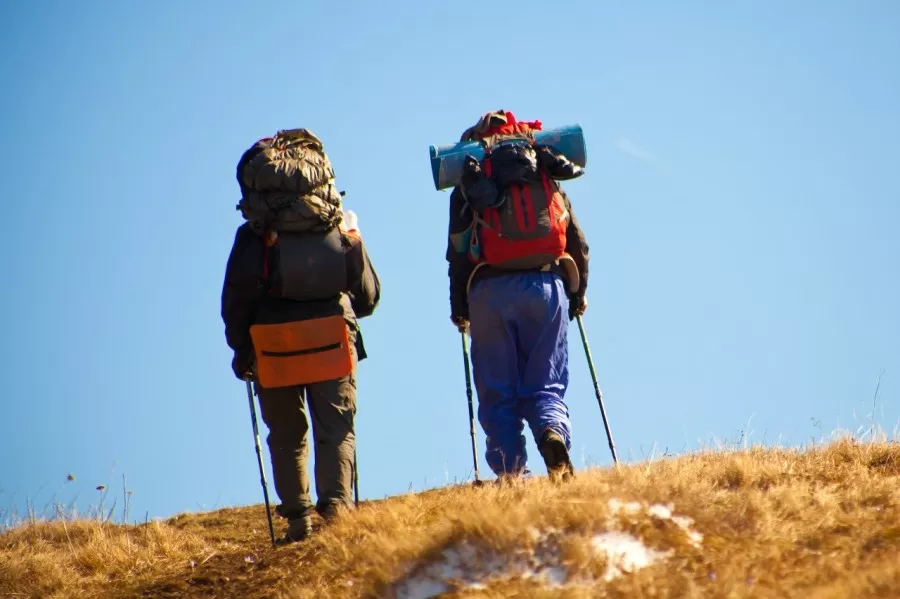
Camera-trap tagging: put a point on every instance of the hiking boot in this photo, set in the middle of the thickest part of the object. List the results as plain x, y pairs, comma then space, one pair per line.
298, 529
329, 512
556, 456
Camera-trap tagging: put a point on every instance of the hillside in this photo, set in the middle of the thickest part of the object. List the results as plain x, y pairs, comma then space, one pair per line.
823, 522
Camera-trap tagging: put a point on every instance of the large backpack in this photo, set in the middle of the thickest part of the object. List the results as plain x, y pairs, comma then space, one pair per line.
520, 215
289, 198
287, 184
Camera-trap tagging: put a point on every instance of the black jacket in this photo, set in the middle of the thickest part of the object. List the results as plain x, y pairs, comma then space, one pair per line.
246, 299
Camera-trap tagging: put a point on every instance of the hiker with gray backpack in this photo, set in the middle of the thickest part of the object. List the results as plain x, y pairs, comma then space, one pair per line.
297, 281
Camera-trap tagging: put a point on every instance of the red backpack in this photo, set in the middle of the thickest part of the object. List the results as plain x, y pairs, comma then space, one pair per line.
528, 230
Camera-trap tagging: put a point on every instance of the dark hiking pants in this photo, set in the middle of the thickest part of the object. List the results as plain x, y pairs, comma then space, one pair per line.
330, 407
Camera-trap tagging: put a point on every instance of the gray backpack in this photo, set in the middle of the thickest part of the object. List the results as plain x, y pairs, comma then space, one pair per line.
287, 185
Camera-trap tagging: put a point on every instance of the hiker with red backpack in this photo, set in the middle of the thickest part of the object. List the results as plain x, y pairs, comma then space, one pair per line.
518, 270
297, 280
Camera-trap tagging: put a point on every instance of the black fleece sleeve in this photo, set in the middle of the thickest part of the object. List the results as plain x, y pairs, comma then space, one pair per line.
459, 267
242, 290
364, 285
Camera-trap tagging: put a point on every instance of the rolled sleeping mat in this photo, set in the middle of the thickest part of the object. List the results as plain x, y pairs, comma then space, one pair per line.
447, 160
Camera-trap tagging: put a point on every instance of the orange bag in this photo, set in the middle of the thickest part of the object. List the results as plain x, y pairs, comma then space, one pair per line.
302, 352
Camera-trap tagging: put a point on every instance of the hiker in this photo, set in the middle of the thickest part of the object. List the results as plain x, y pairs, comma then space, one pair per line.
518, 267
297, 279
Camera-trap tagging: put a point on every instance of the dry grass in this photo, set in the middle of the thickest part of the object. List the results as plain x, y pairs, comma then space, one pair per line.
774, 523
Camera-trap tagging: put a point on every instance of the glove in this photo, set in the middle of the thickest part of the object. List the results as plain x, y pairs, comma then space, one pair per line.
350, 222
479, 190
242, 366
556, 165
462, 325
577, 306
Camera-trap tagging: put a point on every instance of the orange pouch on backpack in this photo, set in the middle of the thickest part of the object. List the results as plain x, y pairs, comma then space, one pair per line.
302, 352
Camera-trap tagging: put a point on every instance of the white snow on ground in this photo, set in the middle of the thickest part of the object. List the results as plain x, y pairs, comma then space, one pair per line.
626, 553
664, 512
465, 566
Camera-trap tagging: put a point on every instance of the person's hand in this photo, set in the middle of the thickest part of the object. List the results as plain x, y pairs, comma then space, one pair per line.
462, 325
577, 306
242, 366
350, 222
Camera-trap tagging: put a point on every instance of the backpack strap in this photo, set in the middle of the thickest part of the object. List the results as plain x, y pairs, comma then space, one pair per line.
269, 239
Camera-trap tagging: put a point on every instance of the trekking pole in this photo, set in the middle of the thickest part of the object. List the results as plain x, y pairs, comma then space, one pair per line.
355, 477
465, 348
262, 472
590, 361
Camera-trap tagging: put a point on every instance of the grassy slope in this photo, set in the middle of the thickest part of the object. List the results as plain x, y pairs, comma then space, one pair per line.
775, 523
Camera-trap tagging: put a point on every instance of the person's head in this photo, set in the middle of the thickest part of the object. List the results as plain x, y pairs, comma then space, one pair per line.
498, 122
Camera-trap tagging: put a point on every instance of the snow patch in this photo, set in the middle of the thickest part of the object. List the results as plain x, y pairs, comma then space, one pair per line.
660, 512
616, 506
465, 567
469, 567
625, 553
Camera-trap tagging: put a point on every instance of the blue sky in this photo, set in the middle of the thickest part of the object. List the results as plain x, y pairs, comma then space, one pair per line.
742, 203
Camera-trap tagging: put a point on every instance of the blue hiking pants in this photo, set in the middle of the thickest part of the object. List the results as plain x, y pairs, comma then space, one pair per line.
519, 324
